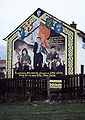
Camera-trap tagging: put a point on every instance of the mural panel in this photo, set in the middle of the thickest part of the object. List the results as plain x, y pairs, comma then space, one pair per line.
39, 49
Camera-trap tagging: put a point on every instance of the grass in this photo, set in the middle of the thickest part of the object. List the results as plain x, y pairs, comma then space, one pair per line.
42, 111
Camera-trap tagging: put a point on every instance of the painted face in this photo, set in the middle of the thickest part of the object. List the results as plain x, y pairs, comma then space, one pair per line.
38, 40
24, 52
53, 50
17, 65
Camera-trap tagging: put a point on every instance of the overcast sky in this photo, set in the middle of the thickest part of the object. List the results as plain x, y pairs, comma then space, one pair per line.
14, 12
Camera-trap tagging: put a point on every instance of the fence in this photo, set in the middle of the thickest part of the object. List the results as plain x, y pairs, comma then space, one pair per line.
37, 88
32, 88
73, 87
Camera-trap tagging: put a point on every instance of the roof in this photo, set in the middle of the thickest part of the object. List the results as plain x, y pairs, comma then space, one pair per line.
2, 61
41, 15
82, 34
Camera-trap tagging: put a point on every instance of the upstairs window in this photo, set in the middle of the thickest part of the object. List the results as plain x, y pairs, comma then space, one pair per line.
83, 43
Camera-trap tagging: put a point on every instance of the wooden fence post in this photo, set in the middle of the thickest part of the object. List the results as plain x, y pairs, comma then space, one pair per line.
48, 87
63, 78
81, 85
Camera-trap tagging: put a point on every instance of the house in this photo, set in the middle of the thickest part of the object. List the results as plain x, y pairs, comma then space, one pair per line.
80, 51
3, 66
63, 42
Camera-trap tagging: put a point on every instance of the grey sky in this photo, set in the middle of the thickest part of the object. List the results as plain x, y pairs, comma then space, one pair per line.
14, 12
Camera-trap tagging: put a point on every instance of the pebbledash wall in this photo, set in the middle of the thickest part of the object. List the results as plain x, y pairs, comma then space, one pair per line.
54, 29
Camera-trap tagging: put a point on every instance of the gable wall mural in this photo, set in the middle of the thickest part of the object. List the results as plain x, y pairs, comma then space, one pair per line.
42, 45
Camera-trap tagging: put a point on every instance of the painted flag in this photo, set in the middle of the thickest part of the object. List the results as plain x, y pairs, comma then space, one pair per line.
28, 26
22, 32
44, 33
58, 28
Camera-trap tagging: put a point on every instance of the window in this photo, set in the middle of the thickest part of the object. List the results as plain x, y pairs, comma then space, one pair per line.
83, 43
82, 69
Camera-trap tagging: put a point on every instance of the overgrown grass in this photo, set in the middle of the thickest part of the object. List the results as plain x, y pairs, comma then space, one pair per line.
42, 111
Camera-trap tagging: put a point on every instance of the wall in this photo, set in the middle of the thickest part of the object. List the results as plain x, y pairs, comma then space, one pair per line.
80, 55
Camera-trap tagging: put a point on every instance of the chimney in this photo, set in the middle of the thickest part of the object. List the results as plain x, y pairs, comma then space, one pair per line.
73, 25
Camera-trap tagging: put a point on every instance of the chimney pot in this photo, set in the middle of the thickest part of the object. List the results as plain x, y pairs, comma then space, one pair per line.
73, 25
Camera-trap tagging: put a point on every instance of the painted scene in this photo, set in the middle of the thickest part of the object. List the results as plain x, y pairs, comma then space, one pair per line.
39, 49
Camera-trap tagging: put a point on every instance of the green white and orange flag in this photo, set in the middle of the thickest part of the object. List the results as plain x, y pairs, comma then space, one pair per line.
44, 33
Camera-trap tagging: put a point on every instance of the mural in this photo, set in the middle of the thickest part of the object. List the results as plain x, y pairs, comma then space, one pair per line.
39, 48
42, 46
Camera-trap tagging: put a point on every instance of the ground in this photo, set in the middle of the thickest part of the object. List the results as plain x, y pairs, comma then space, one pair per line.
42, 111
